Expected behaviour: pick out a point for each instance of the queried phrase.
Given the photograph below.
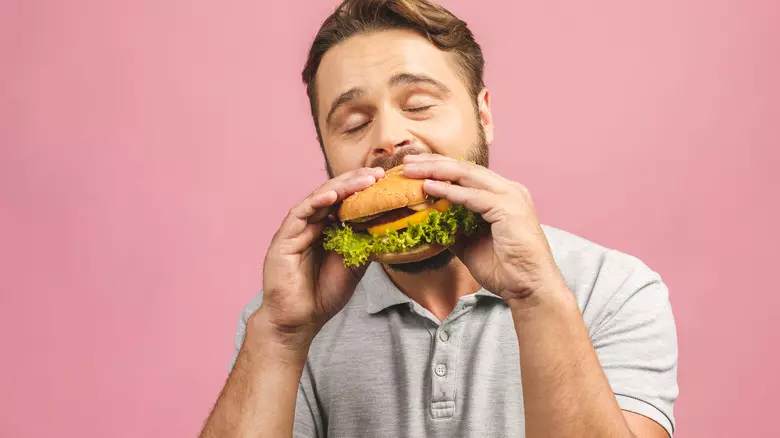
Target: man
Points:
(438, 347)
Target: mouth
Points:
(397, 158)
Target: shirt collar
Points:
(486, 293)
(382, 293)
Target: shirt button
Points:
(444, 336)
(440, 370)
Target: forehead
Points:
(369, 60)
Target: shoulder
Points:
(601, 278)
(578, 257)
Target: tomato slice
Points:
(441, 205)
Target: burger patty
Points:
(384, 218)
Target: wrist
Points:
(264, 337)
(541, 282)
(550, 295)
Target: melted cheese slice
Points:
(441, 205)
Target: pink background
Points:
(148, 150)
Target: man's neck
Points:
(439, 290)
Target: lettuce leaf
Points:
(357, 247)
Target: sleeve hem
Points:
(628, 403)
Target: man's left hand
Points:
(513, 259)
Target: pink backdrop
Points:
(148, 150)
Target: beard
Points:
(439, 261)
(478, 154)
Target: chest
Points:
(411, 377)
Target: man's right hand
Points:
(304, 285)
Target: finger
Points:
(479, 201)
(350, 185)
(459, 172)
(318, 205)
(376, 172)
(416, 158)
(345, 185)
(304, 239)
(323, 199)
(323, 204)
(298, 217)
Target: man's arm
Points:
(643, 427)
(565, 390)
(259, 396)
(303, 287)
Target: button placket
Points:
(446, 340)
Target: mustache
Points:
(397, 158)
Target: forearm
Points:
(259, 396)
(565, 390)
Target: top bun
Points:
(391, 192)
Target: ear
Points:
(485, 116)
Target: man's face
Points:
(386, 94)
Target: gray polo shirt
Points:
(386, 367)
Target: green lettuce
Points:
(357, 247)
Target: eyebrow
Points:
(397, 79)
(414, 79)
(344, 98)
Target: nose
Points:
(392, 135)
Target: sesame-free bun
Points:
(391, 192)
(419, 252)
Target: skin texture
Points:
(391, 112)
(391, 115)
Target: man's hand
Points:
(565, 390)
(513, 259)
(303, 285)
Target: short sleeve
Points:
(307, 424)
(636, 342)
(308, 421)
(238, 339)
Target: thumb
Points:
(336, 283)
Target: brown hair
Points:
(438, 25)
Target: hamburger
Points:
(394, 221)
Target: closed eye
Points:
(356, 128)
(418, 109)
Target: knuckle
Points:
(320, 189)
(472, 193)
(523, 189)
(469, 171)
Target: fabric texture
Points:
(386, 367)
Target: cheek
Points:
(343, 158)
(452, 133)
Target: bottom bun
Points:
(419, 252)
